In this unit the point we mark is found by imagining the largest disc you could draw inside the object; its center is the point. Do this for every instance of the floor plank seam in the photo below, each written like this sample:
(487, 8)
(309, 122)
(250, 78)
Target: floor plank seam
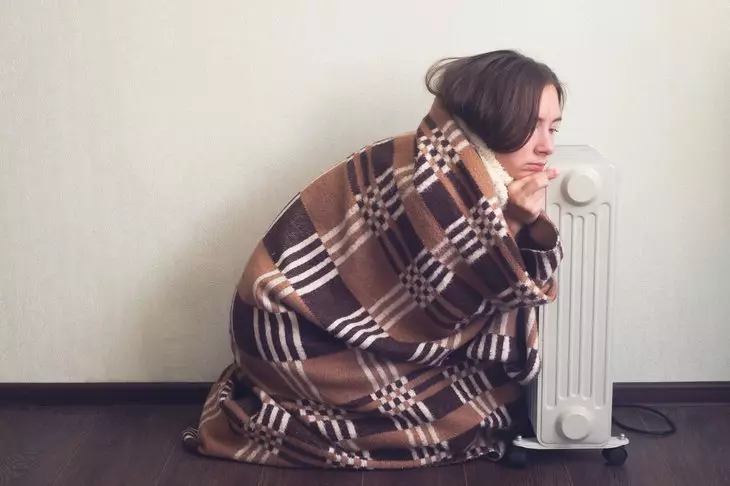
(72, 456)
(170, 453)
(658, 448)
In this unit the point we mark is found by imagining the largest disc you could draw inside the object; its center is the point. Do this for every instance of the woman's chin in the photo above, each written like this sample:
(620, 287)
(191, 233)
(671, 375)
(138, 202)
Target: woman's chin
(522, 174)
(526, 172)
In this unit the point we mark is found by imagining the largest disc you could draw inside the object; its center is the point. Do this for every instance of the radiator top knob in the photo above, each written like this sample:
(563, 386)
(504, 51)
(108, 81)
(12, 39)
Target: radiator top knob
(581, 187)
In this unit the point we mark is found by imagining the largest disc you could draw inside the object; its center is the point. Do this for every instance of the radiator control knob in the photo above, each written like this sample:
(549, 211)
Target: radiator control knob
(575, 423)
(581, 186)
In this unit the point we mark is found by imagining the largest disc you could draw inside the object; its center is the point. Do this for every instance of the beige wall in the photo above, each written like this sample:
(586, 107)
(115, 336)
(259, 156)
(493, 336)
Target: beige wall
(145, 146)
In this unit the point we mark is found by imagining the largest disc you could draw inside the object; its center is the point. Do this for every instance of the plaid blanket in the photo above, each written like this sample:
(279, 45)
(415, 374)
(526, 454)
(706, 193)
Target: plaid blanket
(387, 319)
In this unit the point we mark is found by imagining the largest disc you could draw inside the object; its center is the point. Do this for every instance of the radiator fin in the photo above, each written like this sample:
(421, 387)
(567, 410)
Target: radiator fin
(575, 330)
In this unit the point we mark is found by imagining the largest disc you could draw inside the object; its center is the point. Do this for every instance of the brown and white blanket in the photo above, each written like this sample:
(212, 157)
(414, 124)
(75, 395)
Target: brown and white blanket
(387, 319)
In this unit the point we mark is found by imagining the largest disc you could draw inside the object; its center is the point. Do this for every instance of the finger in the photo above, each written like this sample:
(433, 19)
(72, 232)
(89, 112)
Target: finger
(520, 184)
(539, 196)
(534, 183)
(536, 208)
(542, 178)
(550, 172)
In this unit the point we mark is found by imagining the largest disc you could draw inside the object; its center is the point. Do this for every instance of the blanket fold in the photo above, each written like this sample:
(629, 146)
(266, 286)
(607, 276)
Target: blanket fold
(387, 319)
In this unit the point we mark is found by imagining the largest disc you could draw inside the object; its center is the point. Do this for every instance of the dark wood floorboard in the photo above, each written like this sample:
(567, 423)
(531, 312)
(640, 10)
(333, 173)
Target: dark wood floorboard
(36, 443)
(435, 476)
(545, 469)
(307, 477)
(129, 444)
(139, 445)
(644, 467)
(185, 469)
(699, 453)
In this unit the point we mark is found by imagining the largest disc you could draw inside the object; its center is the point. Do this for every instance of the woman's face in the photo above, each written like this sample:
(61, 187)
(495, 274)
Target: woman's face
(533, 156)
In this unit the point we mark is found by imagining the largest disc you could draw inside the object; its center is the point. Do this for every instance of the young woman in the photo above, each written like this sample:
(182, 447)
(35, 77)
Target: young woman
(387, 318)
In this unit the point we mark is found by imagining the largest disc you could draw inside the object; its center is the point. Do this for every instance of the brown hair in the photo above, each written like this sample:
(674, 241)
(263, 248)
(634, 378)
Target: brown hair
(497, 94)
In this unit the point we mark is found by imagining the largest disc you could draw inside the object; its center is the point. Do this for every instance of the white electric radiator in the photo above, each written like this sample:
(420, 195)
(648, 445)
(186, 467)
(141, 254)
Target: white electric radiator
(570, 402)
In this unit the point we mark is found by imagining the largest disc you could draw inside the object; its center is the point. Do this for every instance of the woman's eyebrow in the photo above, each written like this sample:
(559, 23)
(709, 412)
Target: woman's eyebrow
(560, 118)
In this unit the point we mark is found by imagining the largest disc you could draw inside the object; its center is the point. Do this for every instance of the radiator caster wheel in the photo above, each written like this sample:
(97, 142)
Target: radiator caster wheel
(517, 457)
(616, 456)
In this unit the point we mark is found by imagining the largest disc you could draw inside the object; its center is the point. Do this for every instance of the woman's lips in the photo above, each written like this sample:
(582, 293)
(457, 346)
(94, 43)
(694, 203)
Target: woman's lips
(535, 167)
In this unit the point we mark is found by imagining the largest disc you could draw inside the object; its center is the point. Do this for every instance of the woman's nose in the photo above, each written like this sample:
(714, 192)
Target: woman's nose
(545, 145)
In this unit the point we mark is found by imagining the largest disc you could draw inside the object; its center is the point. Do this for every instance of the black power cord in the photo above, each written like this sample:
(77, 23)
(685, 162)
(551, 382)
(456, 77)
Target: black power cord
(671, 427)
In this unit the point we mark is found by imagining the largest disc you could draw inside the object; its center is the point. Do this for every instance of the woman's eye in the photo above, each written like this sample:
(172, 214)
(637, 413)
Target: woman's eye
(554, 130)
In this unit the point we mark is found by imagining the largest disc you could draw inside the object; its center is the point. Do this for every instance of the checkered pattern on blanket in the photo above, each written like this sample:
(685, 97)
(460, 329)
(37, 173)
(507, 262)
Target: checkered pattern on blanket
(386, 319)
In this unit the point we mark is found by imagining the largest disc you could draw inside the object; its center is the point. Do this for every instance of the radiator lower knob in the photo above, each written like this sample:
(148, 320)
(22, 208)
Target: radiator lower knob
(575, 423)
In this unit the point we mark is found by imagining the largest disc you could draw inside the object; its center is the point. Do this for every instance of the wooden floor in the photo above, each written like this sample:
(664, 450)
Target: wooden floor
(138, 445)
